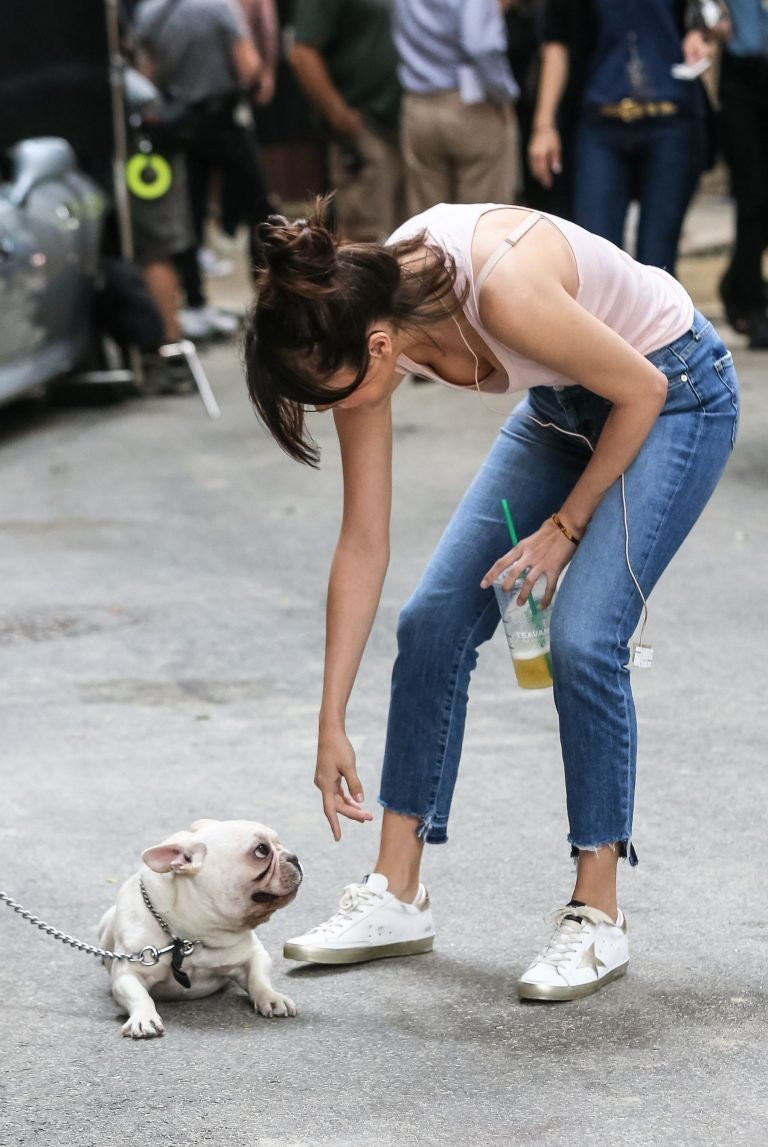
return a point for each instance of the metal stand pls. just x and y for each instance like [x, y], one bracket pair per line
[186, 350]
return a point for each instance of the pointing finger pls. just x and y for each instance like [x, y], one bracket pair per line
[329, 808]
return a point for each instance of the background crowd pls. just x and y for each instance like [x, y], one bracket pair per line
[578, 107]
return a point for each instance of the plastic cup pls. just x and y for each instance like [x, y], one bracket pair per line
[526, 628]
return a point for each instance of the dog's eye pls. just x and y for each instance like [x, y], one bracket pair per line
[261, 850]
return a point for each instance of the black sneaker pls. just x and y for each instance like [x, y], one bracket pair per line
[757, 329]
[736, 315]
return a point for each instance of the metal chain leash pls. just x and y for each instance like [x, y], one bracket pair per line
[148, 956]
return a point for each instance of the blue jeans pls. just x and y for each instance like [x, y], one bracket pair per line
[597, 607]
[656, 161]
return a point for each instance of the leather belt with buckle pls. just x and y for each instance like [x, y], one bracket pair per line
[629, 110]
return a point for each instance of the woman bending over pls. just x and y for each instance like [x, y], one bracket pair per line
[611, 352]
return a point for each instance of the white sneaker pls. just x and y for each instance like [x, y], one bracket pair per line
[194, 324]
[201, 323]
[370, 923]
[222, 323]
[588, 949]
[213, 265]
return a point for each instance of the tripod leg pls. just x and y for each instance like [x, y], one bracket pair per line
[186, 350]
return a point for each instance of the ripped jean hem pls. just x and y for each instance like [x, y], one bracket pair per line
[430, 829]
[625, 848]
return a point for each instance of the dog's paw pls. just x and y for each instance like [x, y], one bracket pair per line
[143, 1025]
[272, 1004]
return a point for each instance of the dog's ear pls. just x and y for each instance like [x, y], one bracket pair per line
[181, 854]
[198, 824]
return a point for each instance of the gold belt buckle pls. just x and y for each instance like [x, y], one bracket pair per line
[629, 110]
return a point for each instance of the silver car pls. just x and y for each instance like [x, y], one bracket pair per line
[51, 218]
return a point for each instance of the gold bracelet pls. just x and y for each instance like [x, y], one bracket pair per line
[564, 530]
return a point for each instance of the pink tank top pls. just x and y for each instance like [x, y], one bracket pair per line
[646, 306]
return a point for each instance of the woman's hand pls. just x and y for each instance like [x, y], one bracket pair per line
[696, 46]
[335, 769]
[545, 553]
[545, 154]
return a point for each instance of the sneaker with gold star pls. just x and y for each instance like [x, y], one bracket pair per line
[587, 950]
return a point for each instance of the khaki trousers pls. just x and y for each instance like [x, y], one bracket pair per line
[367, 176]
[457, 153]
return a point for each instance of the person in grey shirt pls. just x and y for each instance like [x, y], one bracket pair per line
[458, 123]
[200, 48]
[201, 52]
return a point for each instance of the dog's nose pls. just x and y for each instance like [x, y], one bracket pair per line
[294, 860]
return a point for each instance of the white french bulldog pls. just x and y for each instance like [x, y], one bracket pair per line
[211, 886]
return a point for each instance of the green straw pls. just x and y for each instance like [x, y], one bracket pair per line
[510, 523]
[513, 535]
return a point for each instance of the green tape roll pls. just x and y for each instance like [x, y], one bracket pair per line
[148, 176]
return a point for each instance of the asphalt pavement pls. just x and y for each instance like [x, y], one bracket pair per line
[161, 631]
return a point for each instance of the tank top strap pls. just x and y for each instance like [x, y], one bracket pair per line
[508, 241]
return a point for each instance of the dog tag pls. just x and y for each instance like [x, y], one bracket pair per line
[177, 958]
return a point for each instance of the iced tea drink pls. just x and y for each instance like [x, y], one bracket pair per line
[532, 670]
[527, 631]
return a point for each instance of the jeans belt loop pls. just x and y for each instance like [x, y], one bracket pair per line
[629, 110]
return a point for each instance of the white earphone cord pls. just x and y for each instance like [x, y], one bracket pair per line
[583, 437]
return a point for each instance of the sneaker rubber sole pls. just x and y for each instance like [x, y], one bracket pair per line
[356, 955]
[577, 992]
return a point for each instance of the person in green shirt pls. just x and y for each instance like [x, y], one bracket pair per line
[345, 61]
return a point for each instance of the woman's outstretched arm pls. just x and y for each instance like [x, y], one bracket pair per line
[354, 588]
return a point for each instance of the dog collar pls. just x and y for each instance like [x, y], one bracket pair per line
[181, 948]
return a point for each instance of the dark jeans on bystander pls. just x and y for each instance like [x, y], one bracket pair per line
[657, 161]
[744, 119]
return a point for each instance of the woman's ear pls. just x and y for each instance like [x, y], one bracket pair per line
[379, 343]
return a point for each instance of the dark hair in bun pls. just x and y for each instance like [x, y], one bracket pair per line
[298, 255]
[317, 300]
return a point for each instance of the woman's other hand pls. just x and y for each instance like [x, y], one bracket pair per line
[697, 46]
[545, 154]
[336, 777]
[544, 554]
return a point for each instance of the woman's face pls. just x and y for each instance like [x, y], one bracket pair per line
[377, 382]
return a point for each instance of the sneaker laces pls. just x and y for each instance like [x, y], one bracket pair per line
[569, 923]
[354, 899]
